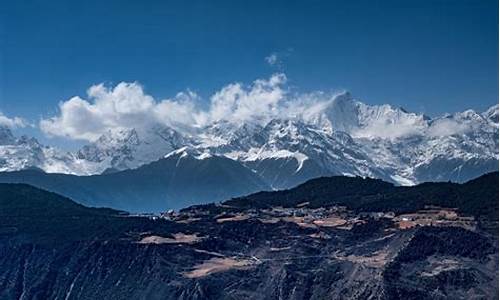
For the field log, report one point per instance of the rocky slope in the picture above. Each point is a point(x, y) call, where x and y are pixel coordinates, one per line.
point(54, 248)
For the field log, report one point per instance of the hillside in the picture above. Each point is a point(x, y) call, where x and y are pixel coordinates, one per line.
point(478, 197)
point(295, 244)
point(174, 182)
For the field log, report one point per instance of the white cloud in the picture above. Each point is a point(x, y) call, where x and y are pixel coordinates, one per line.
point(14, 122)
point(277, 59)
point(446, 127)
point(258, 102)
point(272, 59)
point(411, 126)
point(127, 105)
point(387, 130)
point(124, 106)
point(180, 112)
point(108, 108)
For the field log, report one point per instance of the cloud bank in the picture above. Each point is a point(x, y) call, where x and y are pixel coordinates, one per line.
point(15, 122)
point(447, 127)
point(127, 105)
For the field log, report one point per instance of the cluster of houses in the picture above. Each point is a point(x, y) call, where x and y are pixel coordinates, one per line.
point(435, 216)
point(335, 216)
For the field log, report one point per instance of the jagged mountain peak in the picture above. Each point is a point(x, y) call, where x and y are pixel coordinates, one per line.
point(344, 136)
point(492, 114)
point(286, 126)
point(33, 142)
point(129, 148)
point(358, 119)
point(27, 153)
point(6, 136)
point(343, 98)
point(341, 114)
point(118, 136)
point(469, 115)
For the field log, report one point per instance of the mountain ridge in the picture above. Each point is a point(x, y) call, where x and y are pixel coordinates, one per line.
point(172, 182)
point(343, 137)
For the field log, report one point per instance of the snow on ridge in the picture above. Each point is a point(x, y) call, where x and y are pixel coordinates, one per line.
point(181, 151)
point(203, 156)
point(259, 154)
point(402, 180)
point(378, 141)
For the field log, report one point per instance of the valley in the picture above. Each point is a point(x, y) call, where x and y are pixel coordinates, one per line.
point(260, 150)
point(309, 242)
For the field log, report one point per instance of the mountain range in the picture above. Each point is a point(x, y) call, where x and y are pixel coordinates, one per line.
point(220, 160)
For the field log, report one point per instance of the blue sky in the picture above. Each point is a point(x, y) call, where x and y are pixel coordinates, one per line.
point(426, 56)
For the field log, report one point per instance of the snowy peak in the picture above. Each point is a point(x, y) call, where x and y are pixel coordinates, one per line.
point(292, 130)
point(226, 133)
point(119, 137)
point(346, 114)
point(342, 136)
point(385, 121)
point(492, 114)
point(369, 115)
point(25, 152)
point(129, 148)
point(6, 136)
point(469, 116)
point(342, 114)
point(111, 143)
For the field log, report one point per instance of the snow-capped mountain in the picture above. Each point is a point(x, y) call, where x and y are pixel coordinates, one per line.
point(287, 152)
point(128, 149)
point(343, 137)
point(184, 177)
point(25, 153)
point(492, 115)
point(343, 113)
point(351, 138)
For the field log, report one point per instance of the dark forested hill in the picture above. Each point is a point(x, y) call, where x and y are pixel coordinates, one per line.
point(169, 183)
point(476, 197)
point(292, 244)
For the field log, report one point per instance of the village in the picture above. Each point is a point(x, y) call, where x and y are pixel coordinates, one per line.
point(338, 217)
